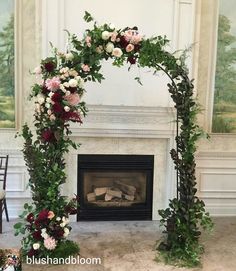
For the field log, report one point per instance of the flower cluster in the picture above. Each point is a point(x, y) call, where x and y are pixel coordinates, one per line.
point(47, 230)
point(58, 95)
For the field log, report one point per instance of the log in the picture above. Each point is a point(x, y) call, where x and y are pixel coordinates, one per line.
point(114, 193)
point(129, 197)
point(100, 191)
point(91, 197)
point(108, 197)
point(125, 188)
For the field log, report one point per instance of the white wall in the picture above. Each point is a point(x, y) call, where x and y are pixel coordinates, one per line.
point(153, 17)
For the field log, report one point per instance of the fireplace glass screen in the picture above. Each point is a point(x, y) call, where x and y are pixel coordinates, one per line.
point(115, 187)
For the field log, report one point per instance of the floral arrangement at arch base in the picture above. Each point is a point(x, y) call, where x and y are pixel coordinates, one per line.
point(58, 101)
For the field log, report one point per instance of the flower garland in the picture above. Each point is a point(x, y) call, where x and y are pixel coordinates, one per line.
point(58, 101)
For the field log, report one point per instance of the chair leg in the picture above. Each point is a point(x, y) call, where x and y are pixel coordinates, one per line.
point(1, 216)
point(6, 211)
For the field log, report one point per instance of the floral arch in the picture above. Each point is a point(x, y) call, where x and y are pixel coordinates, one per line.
point(58, 101)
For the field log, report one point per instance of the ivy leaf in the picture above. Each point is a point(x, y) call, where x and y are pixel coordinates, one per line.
point(88, 17)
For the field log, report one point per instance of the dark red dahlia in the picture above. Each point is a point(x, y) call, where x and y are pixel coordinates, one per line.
point(43, 215)
point(56, 97)
point(30, 218)
point(131, 60)
point(37, 235)
point(123, 42)
point(48, 135)
point(57, 108)
point(49, 66)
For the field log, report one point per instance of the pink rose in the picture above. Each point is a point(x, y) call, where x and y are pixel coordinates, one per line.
point(85, 67)
point(50, 243)
point(113, 36)
point(53, 83)
point(117, 52)
point(73, 99)
point(129, 48)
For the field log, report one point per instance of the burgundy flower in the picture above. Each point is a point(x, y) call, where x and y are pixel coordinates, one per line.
point(37, 235)
point(58, 233)
point(56, 97)
point(57, 108)
point(32, 252)
point(131, 60)
point(73, 116)
point(137, 47)
point(48, 135)
point(72, 90)
point(49, 66)
point(30, 218)
point(45, 90)
point(43, 215)
point(123, 42)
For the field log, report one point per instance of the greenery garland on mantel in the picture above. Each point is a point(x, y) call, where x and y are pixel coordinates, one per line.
point(58, 101)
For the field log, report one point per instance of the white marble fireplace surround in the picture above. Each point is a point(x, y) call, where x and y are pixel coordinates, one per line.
point(129, 130)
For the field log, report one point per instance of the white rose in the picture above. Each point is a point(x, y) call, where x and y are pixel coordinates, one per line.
point(66, 84)
point(67, 93)
point(58, 218)
point(105, 35)
point(49, 112)
point(48, 100)
point(109, 47)
point(50, 94)
point(73, 83)
point(47, 105)
point(62, 224)
point(65, 220)
point(41, 98)
point(117, 52)
point(69, 56)
point(36, 246)
point(62, 88)
point(81, 81)
point(66, 232)
point(67, 108)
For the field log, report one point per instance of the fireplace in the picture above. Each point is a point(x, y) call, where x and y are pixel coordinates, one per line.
point(115, 187)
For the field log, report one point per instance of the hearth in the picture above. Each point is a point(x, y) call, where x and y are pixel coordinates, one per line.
point(115, 187)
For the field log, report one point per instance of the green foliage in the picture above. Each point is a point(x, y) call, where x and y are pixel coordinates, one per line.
point(66, 249)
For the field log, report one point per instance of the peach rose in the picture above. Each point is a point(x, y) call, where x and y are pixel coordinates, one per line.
point(50, 215)
point(73, 99)
point(129, 48)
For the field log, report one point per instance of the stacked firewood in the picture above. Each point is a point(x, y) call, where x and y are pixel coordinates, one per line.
point(118, 190)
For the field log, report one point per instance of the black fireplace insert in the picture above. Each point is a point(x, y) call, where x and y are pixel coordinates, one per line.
point(115, 187)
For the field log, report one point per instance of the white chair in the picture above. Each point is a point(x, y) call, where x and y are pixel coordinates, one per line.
point(3, 178)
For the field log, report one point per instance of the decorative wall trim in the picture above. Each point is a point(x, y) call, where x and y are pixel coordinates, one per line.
point(127, 121)
point(216, 177)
